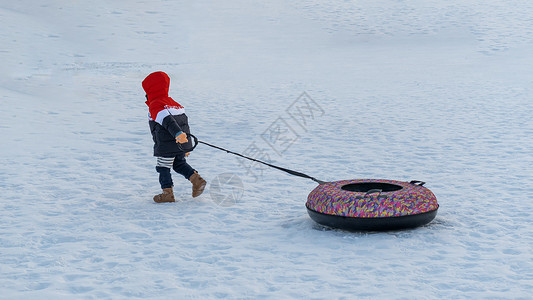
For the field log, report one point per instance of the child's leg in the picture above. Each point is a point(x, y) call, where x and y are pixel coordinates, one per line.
point(163, 168)
point(165, 179)
point(181, 166)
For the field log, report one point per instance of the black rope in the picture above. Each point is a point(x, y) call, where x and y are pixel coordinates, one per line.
point(295, 173)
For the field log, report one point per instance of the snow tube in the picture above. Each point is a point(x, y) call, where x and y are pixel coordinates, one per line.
point(370, 204)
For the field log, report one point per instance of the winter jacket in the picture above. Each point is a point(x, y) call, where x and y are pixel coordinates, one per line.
point(166, 117)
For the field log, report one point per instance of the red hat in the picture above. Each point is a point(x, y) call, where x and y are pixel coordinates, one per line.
point(156, 85)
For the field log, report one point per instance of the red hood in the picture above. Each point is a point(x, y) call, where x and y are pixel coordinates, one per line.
point(156, 85)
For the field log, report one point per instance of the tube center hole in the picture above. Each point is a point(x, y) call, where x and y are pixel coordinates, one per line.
point(364, 187)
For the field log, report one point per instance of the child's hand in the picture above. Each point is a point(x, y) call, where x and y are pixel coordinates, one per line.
point(187, 154)
point(181, 138)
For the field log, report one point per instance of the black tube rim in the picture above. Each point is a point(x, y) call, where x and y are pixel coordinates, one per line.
point(374, 223)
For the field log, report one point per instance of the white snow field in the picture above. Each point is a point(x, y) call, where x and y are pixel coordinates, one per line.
point(438, 91)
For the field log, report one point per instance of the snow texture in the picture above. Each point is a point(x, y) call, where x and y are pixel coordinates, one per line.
point(439, 91)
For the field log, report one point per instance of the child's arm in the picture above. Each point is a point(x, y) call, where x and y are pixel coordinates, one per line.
point(175, 130)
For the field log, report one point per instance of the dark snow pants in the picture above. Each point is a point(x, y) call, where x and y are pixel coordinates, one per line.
point(178, 164)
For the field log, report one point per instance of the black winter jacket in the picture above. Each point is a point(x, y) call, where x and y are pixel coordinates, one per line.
point(164, 135)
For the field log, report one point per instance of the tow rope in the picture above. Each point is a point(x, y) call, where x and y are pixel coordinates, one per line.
point(292, 172)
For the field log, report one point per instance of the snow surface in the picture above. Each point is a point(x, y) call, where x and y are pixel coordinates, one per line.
point(439, 91)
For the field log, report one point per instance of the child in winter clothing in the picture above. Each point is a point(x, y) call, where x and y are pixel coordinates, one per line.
point(169, 126)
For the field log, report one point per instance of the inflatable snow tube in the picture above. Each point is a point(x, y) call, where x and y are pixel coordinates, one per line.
point(370, 204)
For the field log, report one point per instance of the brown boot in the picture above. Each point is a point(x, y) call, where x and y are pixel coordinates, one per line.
point(198, 184)
point(166, 196)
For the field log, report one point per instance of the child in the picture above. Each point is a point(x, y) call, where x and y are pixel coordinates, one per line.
point(169, 126)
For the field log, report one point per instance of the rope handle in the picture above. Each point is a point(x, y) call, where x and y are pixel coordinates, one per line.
point(417, 182)
point(195, 143)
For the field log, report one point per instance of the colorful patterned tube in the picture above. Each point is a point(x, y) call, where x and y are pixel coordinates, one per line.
point(372, 204)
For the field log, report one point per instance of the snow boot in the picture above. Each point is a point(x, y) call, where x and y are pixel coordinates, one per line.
point(198, 184)
point(166, 196)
